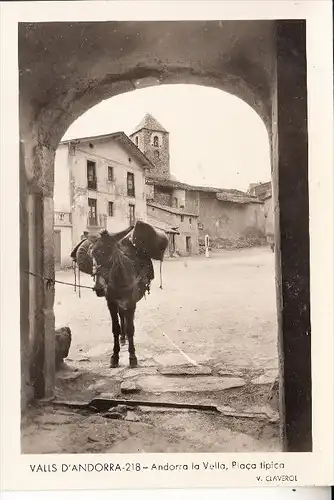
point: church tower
(153, 140)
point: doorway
(171, 244)
(188, 244)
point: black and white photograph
(165, 229)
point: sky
(216, 139)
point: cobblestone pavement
(221, 313)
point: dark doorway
(188, 244)
(172, 244)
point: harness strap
(75, 275)
(79, 282)
(161, 275)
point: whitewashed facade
(99, 183)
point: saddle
(148, 242)
(81, 254)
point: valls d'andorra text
(275, 468)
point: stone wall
(163, 196)
(192, 201)
(230, 225)
(269, 216)
(159, 156)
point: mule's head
(102, 252)
(110, 266)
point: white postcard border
(311, 468)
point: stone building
(153, 140)
(167, 207)
(181, 227)
(264, 192)
(231, 218)
(99, 183)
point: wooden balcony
(98, 222)
(92, 184)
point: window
(156, 155)
(136, 140)
(92, 212)
(175, 202)
(110, 174)
(110, 209)
(156, 141)
(182, 218)
(190, 221)
(132, 217)
(131, 184)
(129, 159)
(91, 174)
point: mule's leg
(123, 327)
(130, 330)
(116, 330)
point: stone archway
(67, 68)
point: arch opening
(250, 74)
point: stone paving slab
(185, 370)
(129, 387)
(176, 359)
(158, 384)
(268, 377)
(137, 372)
(231, 373)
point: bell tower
(153, 140)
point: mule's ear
(104, 233)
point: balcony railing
(62, 218)
(99, 220)
(92, 184)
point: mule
(123, 273)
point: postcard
(166, 244)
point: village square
(208, 336)
(164, 243)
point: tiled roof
(172, 210)
(262, 190)
(162, 225)
(236, 197)
(120, 137)
(149, 123)
(231, 195)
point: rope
(50, 281)
(75, 276)
(161, 275)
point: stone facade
(235, 222)
(264, 192)
(230, 225)
(153, 140)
